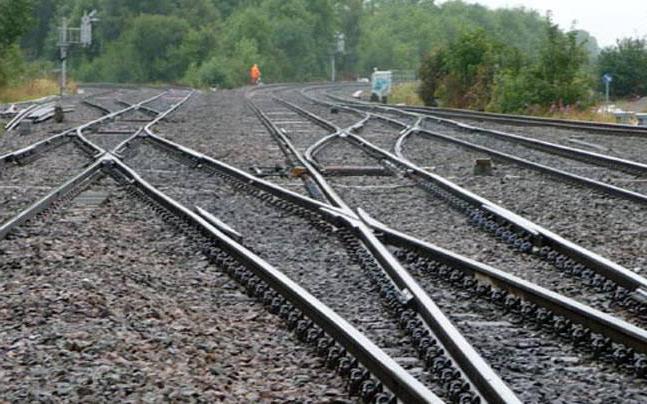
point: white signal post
(607, 78)
(74, 36)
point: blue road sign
(607, 78)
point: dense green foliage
(214, 42)
(472, 56)
(627, 64)
(14, 22)
(478, 71)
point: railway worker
(255, 74)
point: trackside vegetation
(477, 71)
(468, 55)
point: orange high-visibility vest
(255, 73)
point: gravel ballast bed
(108, 141)
(539, 367)
(405, 207)
(21, 186)
(301, 131)
(342, 118)
(113, 304)
(316, 261)
(623, 145)
(380, 134)
(609, 226)
(221, 125)
(340, 152)
(596, 172)
(103, 300)
(14, 140)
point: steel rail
(37, 100)
(398, 149)
(553, 148)
(600, 127)
(346, 218)
(473, 367)
(148, 129)
(143, 108)
(392, 375)
(486, 381)
(86, 176)
(90, 125)
(319, 145)
(588, 182)
(169, 111)
(19, 118)
(326, 189)
(338, 131)
(314, 149)
(617, 330)
(51, 142)
(245, 177)
(326, 124)
(622, 276)
(603, 266)
(105, 110)
(57, 140)
(87, 101)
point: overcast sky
(606, 20)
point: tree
(432, 71)
(627, 63)
(149, 50)
(463, 73)
(15, 18)
(349, 14)
(292, 39)
(557, 78)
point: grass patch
(33, 89)
(405, 93)
(591, 115)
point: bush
(480, 73)
(12, 65)
(227, 70)
(627, 63)
(462, 74)
(556, 79)
(149, 50)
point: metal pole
(63, 46)
(607, 92)
(334, 68)
(63, 70)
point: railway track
(263, 222)
(159, 296)
(364, 352)
(450, 157)
(629, 148)
(308, 215)
(372, 200)
(517, 120)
